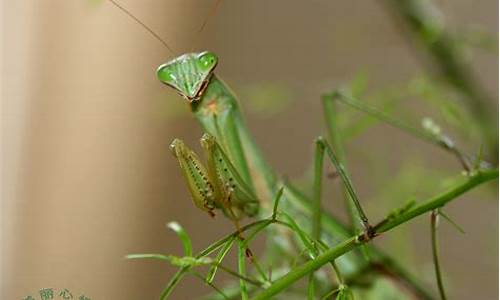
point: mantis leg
(196, 176)
(322, 146)
(237, 196)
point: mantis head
(188, 74)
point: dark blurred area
(87, 175)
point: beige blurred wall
(83, 145)
(86, 173)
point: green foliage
(308, 249)
(303, 240)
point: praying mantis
(236, 178)
(225, 182)
(236, 175)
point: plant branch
(356, 241)
(438, 201)
(435, 253)
(318, 172)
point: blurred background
(87, 176)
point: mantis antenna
(154, 34)
(212, 12)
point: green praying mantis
(235, 177)
(224, 182)
(219, 185)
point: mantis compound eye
(207, 60)
(165, 73)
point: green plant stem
(311, 287)
(440, 200)
(306, 268)
(435, 253)
(242, 269)
(214, 246)
(318, 176)
(220, 256)
(354, 242)
(339, 232)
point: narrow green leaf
(313, 252)
(186, 261)
(256, 231)
(146, 255)
(173, 282)
(277, 199)
(218, 259)
(182, 234)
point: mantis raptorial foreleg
(228, 179)
(218, 185)
(196, 176)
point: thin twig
(435, 252)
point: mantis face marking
(188, 74)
